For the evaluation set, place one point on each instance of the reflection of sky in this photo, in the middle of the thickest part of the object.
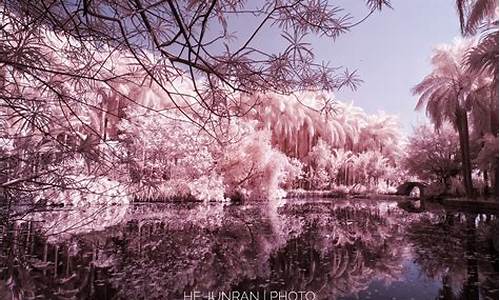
(390, 50)
(414, 285)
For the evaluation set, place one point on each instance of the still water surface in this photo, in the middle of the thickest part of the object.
(339, 249)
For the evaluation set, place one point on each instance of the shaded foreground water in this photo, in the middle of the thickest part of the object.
(345, 249)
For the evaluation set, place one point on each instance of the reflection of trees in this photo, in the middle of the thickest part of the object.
(463, 238)
(340, 270)
(62, 224)
(341, 249)
(186, 255)
(53, 271)
(334, 249)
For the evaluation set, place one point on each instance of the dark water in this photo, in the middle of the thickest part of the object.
(321, 250)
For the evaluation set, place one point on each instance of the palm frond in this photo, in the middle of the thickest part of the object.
(480, 11)
(484, 56)
(461, 14)
(430, 82)
(434, 94)
(378, 4)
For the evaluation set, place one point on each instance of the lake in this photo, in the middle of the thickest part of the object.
(317, 249)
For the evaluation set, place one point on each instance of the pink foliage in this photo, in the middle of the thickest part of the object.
(487, 158)
(433, 155)
(252, 168)
(134, 133)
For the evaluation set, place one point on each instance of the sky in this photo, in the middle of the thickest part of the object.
(391, 51)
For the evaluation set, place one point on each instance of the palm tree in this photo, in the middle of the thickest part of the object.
(481, 15)
(445, 93)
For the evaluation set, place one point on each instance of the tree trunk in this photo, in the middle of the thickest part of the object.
(463, 133)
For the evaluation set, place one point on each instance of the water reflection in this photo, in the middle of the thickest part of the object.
(340, 250)
(465, 259)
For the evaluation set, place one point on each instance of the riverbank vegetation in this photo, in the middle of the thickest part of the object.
(103, 103)
(98, 109)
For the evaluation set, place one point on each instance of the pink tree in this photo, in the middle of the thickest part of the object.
(433, 155)
(79, 63)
